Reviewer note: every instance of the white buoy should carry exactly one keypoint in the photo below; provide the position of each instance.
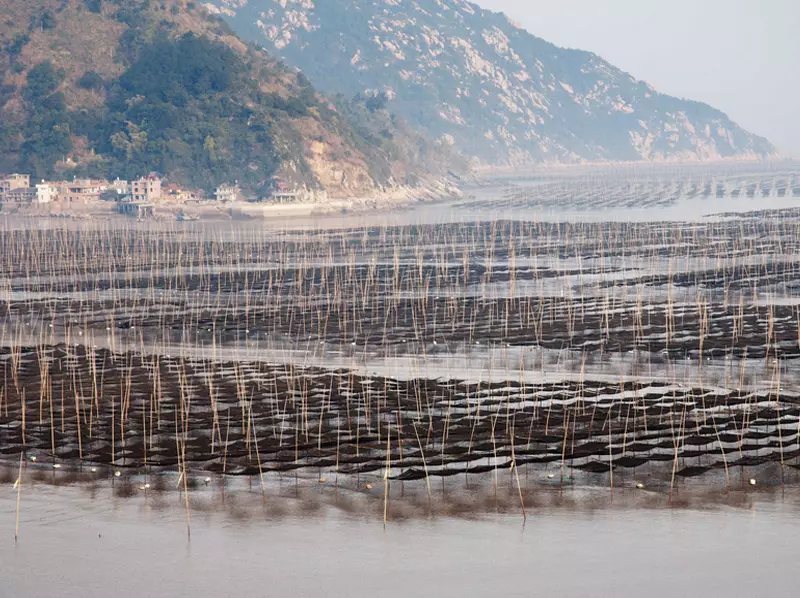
(117, 474)
(550, 476)
(56, 465)
(752, 482)
(93, 470)
(640, 486)
(207, 481)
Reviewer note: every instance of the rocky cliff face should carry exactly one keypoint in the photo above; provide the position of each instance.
(473, 79)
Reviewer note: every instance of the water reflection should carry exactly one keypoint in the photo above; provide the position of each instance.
(75, 545)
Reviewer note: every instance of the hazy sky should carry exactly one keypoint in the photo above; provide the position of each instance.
(741, 56)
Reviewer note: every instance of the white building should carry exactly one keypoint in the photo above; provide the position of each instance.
(46, 193)
(227, 193)
(121, 187)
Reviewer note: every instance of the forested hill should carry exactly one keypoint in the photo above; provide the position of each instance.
(127, 87)
(472, 77)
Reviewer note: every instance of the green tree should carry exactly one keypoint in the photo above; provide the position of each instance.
(91, 80)
(43, 21)
(47, 130)
(210, 148)
(188, 107)
(17, 44)
(95, 6)
(43, 79)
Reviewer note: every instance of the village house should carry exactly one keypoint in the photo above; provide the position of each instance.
(147, 189)
(177, 194)
(121, 187)
(14, 181)
(227, 193)
(170, 192)
(46, 192)
(19, 195)
(80, 190)
(141, 193)
(138, 209)
(282, 192)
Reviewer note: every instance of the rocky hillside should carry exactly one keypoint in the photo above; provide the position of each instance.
(126, 87)
(476, 80)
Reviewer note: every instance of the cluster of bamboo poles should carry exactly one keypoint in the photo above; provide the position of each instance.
(151, 346)
(596, 189)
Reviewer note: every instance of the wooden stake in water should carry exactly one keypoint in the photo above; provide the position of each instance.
(18, 484)
(424, 464)
(516, 474)
(386, 477)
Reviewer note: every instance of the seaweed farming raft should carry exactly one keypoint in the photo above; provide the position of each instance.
(138, 411)
(665, 348)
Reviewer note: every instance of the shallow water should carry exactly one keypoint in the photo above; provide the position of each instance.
(74, 546)
(683, 210)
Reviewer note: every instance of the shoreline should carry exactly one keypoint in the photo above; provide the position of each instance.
(321, 205)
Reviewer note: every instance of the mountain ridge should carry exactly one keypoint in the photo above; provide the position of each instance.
(474, 79)
(106, 88)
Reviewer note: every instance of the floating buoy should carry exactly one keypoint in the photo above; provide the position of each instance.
(368, 486)
(207, 481)
(752, 482)
(323, 480)
(550, 476)
(117, 474)
(93, 470)
(56, 465)
(33, 458)
(146, 487)
(640, 486)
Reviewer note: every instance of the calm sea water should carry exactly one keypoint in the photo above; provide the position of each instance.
(74, 546)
